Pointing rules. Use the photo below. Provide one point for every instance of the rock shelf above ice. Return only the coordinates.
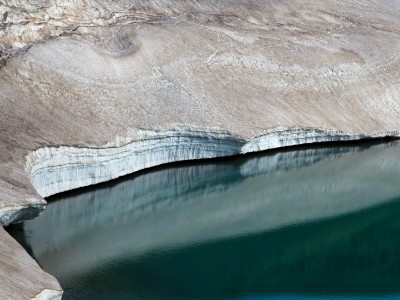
(81, 81)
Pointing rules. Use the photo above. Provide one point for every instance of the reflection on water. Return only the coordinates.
(291, 225)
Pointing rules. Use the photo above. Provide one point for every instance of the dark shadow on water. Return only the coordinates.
(357, 254)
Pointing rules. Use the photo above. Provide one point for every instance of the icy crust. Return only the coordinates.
(48, 294)
(285, 137)
(19, 213)
(56, 169)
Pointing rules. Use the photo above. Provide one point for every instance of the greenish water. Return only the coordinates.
(317, 223)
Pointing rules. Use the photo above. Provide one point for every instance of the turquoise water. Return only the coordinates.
(318, 223)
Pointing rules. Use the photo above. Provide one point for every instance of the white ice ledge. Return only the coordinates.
(48, 294)
(56, 169)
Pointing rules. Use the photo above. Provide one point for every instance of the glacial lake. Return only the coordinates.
(300, 223)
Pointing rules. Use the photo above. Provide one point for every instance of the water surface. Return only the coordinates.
(297, 224)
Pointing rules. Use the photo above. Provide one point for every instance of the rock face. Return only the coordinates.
(80, 81)
(20, 276)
